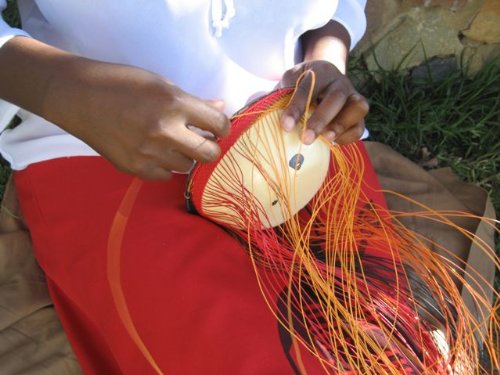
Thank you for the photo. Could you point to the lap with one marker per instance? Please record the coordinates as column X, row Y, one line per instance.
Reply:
column 190, row 287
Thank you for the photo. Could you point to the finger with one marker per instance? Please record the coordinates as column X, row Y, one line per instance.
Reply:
column 329, row 108
column 296, row 108
column 289, row 79
column 351, row 114
column 154, row 172
column 157, row 162
column 353, row 134
column 206, row 117
column 354, row 111
column 176, row 161
column 195, row 146
column 203, row 133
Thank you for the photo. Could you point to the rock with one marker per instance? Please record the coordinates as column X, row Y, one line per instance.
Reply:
column 402, row 34
column 476, row 55
column 378, row 14
column 413, row 37
column 436, row 69
column 486, row 25
column 452, row 5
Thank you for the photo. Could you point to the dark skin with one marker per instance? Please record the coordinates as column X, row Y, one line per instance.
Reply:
column 140, row 121
column 340, row 113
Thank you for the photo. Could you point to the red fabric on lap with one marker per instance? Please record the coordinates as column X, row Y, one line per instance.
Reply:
column 190, row 286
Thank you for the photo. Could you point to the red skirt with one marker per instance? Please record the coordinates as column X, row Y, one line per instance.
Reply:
column 190, row 286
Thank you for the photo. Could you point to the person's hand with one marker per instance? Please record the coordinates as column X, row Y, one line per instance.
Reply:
column 140, row 122
column 136, row 119
column 339, row 115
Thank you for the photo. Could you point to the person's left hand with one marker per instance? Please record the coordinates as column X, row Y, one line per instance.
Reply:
column 340, row 109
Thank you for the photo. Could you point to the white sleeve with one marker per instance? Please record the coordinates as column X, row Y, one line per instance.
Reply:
column 7, row 110
column 351, row 14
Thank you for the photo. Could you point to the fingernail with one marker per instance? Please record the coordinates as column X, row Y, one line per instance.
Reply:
column 339, row 129
column 288, row 123
column 308, row 137
column 330, row 135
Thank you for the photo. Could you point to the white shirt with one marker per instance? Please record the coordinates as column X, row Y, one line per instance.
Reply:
column 212, row 49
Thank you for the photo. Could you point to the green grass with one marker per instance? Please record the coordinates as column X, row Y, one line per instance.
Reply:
column 11, row 15
column 455, row 120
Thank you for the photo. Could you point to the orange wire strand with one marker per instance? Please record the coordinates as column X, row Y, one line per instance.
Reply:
column 354, row 322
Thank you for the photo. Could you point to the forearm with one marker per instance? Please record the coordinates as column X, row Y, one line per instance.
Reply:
column 27, row 70
column 64, row 88
column 330, row 42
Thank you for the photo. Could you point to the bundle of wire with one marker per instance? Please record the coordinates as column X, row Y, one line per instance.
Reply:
column 345, row 279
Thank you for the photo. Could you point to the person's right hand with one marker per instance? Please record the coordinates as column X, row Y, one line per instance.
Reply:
column 134, row 118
